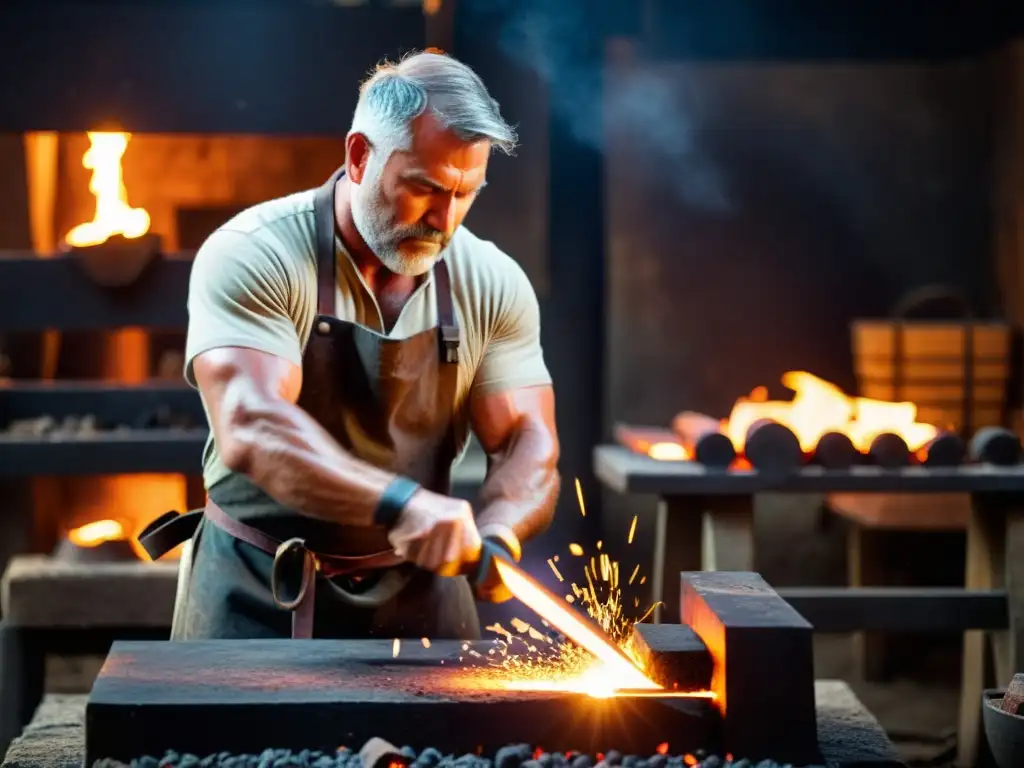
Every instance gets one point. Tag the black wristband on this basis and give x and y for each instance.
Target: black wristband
(393, 501)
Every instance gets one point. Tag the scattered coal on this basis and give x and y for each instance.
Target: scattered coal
(512, 756)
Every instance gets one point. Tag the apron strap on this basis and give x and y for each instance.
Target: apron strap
(447, 323)
(323, 216)
(168, 531)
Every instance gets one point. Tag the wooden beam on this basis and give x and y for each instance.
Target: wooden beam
(74, 303)
(899, 609)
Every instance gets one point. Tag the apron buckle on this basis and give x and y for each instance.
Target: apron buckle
(450, 342)
(310, 567)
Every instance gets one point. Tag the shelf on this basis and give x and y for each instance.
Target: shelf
(104, 453)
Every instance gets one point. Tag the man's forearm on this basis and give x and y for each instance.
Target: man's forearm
(288, 454)
(522, 485)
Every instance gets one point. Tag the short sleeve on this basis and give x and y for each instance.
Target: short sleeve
(513, 357)
(240, 295)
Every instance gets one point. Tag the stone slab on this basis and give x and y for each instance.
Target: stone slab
(849, 735)
(763, 657)
(40, 592)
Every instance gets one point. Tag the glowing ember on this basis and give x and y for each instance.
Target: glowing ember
(668, 452)
(113, 215)
(579, 497)
(96, 533)
(396, 646)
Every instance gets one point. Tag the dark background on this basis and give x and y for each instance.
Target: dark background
(707, 193)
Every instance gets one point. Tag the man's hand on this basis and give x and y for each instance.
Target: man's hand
(436, 533)
(491, 587)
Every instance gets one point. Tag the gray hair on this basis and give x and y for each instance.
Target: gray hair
(395, 94)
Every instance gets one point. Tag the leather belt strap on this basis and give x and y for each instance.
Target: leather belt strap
(173, 528)
(302, 607)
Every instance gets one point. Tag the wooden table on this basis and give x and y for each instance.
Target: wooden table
(705, 521)
(871, 519)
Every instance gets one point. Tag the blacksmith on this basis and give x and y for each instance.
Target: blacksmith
(345, 341)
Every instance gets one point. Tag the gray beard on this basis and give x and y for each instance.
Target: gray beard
(375, 224)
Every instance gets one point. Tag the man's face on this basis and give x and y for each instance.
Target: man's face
(408, 208)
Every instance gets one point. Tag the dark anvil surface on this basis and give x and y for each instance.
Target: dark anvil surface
(244, 696)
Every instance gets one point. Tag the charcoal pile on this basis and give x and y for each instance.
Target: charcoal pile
(513, 756)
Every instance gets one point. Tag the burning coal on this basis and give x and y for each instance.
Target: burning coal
(819, 414)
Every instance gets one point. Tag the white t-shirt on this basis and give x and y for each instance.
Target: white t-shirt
(254, 285)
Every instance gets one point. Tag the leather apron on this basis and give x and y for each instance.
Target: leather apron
(389, 402)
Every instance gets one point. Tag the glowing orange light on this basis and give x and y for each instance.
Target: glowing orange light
(618, 672)
(818, 406)
(95, 533)
(113, 216)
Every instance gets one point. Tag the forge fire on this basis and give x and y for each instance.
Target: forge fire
(820, 425)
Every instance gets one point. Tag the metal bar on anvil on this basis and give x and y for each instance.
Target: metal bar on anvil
(244, 696)
(626, 471)
(53, 292)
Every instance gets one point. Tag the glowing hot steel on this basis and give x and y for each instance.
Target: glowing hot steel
(599, 661)
(113, 215)
(619, 670)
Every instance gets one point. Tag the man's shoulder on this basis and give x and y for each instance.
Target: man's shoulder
(277, 233)
(480, 267)
(282, 219)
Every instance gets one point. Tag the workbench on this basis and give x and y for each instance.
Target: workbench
(705, 521)
(850, 736)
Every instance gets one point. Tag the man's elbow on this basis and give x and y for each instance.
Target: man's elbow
(554, 483)
(239, 439)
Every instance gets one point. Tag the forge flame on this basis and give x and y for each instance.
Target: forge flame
(113, 215)
(96, 533)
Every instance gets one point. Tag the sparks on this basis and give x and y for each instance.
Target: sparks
(396, 644)
(601, 662)
(632, 531)
(425, 641)
(579, 497)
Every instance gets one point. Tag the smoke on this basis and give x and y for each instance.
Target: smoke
(652, 110)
